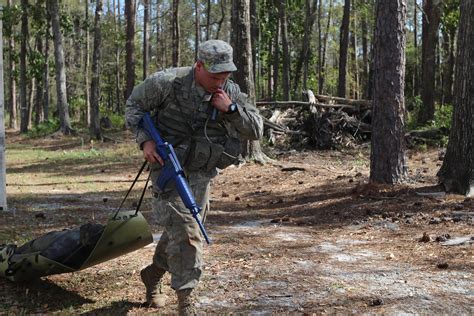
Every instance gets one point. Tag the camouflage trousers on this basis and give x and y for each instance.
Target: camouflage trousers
(179, 250)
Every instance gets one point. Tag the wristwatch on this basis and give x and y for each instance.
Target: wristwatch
(232, 108)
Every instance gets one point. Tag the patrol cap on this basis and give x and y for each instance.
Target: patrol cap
(216, 56)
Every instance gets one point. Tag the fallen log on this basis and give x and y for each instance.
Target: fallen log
(326, 98)
(287, 104)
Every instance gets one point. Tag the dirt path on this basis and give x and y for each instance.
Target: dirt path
(303, 235)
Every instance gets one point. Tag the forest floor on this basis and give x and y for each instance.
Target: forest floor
(302, 235)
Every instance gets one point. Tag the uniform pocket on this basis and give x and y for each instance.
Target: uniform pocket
(199, 156)
(231, 153)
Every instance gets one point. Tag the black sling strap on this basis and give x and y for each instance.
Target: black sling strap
(131, 187)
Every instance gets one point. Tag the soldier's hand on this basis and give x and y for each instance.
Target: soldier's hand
(221, 101)
(150, 153)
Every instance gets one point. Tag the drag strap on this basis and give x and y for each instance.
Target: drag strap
(131, 187)
(143, 194)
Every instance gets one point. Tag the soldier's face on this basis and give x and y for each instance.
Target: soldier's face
(211, 82)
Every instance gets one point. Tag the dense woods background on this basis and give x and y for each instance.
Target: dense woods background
(109, 46)
(71, 65)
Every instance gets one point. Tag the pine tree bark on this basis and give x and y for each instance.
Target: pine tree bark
(429, 42)
(24, 119)
(208, 20)
(197, 28)
(176, 35)
(95, 82)
(448, 66)
(322, 48)
(3, 185)
(269, 92)
(457, 171)
(388, 158)
(343, 49)
(118, 25)
(286, 54)
(31, 93)
(160, 38)
(416, 85)
(221, 21)
(241, 42)
(365, 56)
(62, 105)
(254, 40)
(276, 60)
(130, 11)
(146, 23)
(12, 101)
(354, 64)
(86, 66)
(305, 55)
(46, 70)
(38, 107)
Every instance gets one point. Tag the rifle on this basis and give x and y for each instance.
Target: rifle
(172, 170)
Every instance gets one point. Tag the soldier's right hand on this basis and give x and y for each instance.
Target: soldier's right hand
(150, 153)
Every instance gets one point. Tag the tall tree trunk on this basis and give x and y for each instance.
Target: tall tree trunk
(457, 171)
(12, 102)
(343, 48)
(429, 41)
(304, 55)
(3, 185)
(159, 41)
(118, 25)
(355, 65)
(146, 23)
(241, 41)
(95, 82)
(322, 57)
(39, 90)
(31, 94)
(276, 58)
(176, 34)
(221, 21)
(208, 20)
(86, 66)
(448, 66)
(286, 54)
(130, 11)
(270, 69)
(320, 45)
(46, 70)
(197, 28)
(24, 119)
(388, 158)
(254, 39)
(63, 108)
(77, 56)
(416, 85)
(365, 56)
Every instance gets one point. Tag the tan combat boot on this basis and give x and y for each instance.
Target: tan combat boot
(151, 277)
(186, 303)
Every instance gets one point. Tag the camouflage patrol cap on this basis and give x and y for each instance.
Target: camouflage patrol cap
(216, 56)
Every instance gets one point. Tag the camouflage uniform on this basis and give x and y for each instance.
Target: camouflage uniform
(182, 112)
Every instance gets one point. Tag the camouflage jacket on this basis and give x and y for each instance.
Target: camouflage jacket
(182, 110)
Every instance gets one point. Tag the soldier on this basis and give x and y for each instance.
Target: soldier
(204, 115)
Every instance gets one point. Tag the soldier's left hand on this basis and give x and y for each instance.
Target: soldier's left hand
(221, 101)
